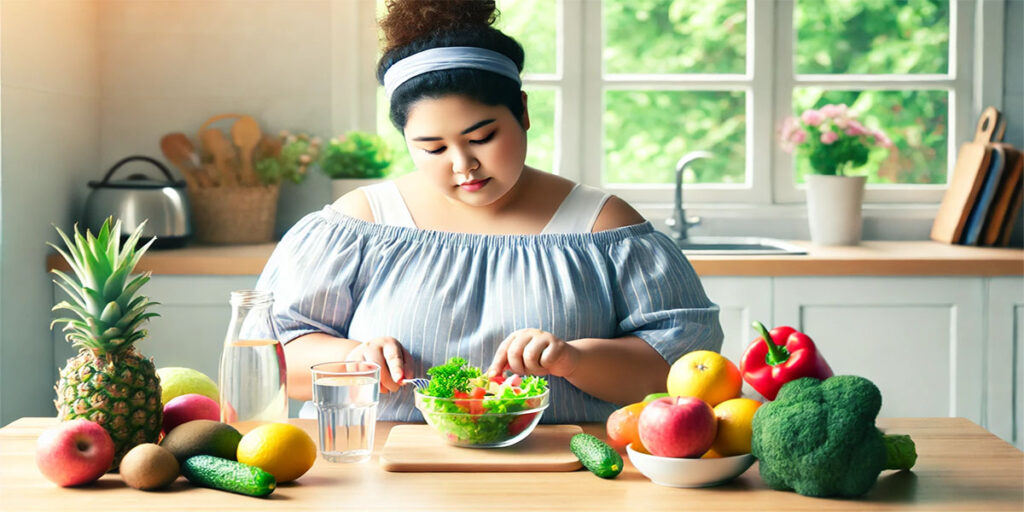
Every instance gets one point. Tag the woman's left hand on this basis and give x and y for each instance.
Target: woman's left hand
(535, 352)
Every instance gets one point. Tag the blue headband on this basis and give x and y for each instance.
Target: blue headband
(451, 57)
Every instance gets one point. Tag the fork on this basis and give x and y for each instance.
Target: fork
(418, 383)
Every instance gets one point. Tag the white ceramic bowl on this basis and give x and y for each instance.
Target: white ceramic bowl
(678, 472)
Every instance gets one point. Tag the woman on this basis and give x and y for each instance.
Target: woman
(477, 255)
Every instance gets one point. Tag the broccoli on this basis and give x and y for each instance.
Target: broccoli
(818, 438)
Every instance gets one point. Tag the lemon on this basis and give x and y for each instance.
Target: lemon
(176, 381)
(735, 420)
(281, 449)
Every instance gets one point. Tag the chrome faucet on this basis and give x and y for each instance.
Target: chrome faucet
(679, 220)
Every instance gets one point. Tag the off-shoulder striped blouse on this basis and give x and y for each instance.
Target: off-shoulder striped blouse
(445, 294)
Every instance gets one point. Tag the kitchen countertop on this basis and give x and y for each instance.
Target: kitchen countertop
(960, 466)
(871, 258)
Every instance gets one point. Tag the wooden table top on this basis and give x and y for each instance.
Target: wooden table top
(960, 466)
(870, 258)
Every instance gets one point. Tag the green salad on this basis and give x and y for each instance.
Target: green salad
(471, 408)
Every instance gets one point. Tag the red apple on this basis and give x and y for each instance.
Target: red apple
(678, 426)
(185, 408)
(76, 452)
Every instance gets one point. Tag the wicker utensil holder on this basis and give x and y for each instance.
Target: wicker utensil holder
(234, 215)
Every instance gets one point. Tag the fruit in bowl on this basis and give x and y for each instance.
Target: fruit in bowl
(471, 409)
(689, 472)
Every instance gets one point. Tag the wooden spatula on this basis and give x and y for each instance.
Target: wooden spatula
(246, 134)
(178, 149)
(223, 152)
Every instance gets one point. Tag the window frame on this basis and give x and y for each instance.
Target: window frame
(974, 80)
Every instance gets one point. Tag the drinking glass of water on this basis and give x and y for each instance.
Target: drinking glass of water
(346, 394)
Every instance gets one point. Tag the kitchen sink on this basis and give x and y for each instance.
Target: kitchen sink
(736, 245)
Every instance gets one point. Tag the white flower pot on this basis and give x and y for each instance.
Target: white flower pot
(344, 186)
(834, 208)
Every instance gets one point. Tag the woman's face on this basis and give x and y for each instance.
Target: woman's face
(473, 153)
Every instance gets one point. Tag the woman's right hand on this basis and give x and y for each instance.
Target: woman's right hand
(390, 355)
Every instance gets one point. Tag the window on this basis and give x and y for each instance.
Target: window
(619, 90)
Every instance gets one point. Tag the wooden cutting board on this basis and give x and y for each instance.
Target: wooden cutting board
(972, 163)
(418, 448)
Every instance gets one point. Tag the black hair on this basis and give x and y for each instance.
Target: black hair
(412, 26)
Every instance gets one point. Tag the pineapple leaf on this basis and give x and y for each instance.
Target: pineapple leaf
(114, 286)
(136, 336)
(130, 245)
(134, 326)
(73, 262)
(137, 255)
(81, 312)
(134, 286)
(93, 301)
(71, 288)
(65, 320)
(111, 313)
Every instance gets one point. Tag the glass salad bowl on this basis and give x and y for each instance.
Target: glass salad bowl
(487, 422)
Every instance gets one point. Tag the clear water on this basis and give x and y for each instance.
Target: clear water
(252, 383)
(346, 414)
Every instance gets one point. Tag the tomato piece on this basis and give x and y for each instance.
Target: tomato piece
(477, 393)
(520, 423)
(498, 378)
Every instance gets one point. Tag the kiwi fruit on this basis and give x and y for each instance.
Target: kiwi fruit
(149, 466)
(202, 437)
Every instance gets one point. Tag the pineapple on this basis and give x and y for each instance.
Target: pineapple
(108, 382)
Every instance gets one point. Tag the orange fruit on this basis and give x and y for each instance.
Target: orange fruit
(638, 446)
(711, 454)
(734, 426)
(622, 426)
(281, 449)
(707, 375)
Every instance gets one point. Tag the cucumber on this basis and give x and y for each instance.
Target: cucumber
(601, 459)
(228, 475)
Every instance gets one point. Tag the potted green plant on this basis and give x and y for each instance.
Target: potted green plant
(834, 142)
(354, 160)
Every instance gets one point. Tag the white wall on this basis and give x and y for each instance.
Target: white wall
(49, 100)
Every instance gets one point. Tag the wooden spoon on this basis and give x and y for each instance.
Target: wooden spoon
(223, 152)
(246, 134)
(178, 149)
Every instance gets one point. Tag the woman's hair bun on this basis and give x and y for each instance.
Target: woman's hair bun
(409, 20)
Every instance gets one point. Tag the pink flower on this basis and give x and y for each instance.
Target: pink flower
(828, 137)
(854, 128)
(881, 139)
(812, 117)
(832, 111)
(798, 137)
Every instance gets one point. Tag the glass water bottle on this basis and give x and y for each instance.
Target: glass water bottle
(252, 367)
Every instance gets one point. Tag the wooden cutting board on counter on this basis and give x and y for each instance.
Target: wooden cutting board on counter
(972, 163)
(418, 448)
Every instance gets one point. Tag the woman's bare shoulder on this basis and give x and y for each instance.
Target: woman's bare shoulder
(616, 213)
(354, 204)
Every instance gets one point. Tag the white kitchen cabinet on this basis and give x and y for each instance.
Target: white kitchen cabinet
(1005, 361)
(920, 339)
(742, 300)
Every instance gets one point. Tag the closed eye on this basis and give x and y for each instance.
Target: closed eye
(437, 151)
(485, 139)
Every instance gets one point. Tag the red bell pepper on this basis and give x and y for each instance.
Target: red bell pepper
(778, 357)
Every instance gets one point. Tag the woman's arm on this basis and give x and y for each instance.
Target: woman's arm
(314, 348)
(310, 349)
(621, 370)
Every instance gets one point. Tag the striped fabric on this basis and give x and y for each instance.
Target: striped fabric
(444, 294)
